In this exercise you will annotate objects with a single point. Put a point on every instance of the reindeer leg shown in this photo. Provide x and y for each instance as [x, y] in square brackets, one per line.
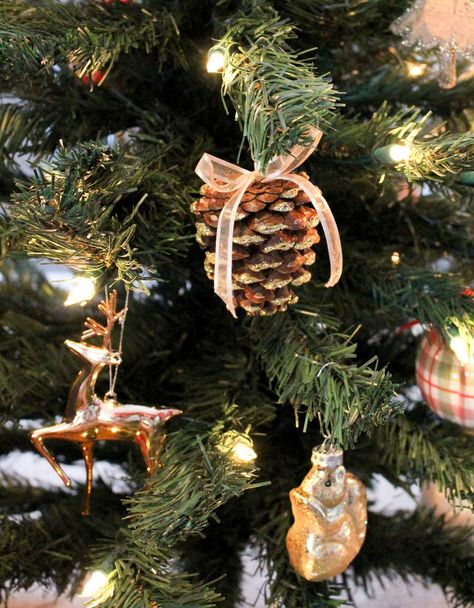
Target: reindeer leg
[142, 439]
[154, 445]
[89, 462]
[159, 439]
[37, 438]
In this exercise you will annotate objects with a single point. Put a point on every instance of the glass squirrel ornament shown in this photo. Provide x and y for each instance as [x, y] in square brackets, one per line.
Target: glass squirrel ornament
[330, 511]
[447, 25]
[89, 418]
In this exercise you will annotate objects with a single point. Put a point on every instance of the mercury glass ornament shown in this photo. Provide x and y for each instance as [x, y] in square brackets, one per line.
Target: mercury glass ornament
[330, 511]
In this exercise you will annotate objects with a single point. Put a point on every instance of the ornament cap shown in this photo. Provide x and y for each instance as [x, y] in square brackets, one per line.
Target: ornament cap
[326, 457]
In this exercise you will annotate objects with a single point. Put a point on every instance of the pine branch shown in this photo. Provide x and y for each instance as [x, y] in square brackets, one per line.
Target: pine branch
[333, 21]
[436, 154]
[422, 450]
[431, 297]
[51, 549]
[72, 212]
[312, 367]
[89, 36]
[418, 545]
[195, 479]
[185, 492]
[391, 83]
[33, 328]
[273, 89]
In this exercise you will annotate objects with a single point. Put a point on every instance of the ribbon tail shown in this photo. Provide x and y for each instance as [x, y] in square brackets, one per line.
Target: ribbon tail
[328, 224]
[224, 239]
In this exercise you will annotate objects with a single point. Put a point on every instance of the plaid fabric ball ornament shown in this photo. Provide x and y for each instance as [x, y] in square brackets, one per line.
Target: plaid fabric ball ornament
[446, 383]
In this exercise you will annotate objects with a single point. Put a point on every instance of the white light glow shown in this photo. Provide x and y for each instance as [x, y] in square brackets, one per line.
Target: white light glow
[94, 584]
[416, 69]
[82, 289]
[216, 61]
[399, 152]
[243, 451]
[395, 257]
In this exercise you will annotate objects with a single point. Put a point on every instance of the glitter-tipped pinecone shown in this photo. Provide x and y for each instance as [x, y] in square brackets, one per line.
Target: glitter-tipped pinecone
[274, 231]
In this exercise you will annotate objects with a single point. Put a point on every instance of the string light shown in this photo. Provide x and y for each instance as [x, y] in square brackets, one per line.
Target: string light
[238, 447]
[395, 257]
[399, 152]
[394, 153]
[215, 60]
[95, 587]
[243, 451]
[82, 289]
[416, 69]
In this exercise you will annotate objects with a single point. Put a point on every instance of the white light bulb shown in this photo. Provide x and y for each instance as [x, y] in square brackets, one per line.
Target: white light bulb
[399, 152]
[243, 451]
[94, 584]
[216, 60]
[395, 257]
[416, 69]
[82, 289]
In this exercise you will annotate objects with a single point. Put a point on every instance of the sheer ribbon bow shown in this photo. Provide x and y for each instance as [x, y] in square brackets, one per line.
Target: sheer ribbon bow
[227, 177]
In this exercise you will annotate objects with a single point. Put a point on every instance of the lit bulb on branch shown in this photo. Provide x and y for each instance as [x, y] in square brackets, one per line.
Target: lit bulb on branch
[238, 447]
[393, 154]
[81, 290]
[395, 257]
[215, 60]
[243, 451]
[416, 69]
[96, 588]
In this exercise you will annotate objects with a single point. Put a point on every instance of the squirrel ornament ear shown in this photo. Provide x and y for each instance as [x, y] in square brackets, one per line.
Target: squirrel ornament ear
[330, 511]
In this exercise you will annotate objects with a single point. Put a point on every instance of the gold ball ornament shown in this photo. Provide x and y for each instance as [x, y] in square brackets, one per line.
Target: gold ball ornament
[330, 511]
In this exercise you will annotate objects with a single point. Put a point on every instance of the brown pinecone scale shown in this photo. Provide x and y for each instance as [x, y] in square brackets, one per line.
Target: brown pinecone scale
[274, 232]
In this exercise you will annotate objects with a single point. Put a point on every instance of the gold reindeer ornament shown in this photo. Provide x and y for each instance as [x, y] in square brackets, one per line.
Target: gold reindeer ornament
[89, 418]
[330, 511]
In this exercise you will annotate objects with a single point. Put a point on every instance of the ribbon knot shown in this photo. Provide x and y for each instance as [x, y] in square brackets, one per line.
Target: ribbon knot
[227, 177]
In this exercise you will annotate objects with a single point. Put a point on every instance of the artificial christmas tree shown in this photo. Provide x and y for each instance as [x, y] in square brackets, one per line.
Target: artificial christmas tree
[100, 179]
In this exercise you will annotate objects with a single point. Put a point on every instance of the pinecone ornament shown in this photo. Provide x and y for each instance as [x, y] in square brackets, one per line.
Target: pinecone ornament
[274, 232]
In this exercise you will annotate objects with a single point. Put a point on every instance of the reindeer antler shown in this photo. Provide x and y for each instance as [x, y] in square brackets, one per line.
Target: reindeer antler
[93, 328]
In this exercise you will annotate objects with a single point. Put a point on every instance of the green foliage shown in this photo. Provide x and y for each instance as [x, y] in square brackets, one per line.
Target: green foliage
[273, 89]
[435, 152]
[430, 297]
[37, 36]
[424, 450]
[72, 210]
[34, 373]
[54, 547]
[312, 366]
[196, 478]
[421, 546]
[113, 155]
